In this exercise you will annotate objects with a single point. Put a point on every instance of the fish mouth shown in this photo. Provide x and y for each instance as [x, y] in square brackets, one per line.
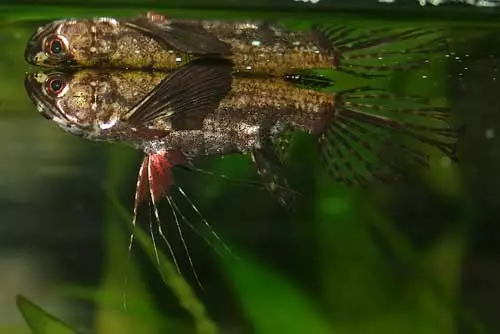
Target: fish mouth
[37, 57]
[33, 84]
[34, 55]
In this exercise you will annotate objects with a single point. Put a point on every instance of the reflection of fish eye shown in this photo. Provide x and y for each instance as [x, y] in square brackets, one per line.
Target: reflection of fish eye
[55, 46]
[55, 86]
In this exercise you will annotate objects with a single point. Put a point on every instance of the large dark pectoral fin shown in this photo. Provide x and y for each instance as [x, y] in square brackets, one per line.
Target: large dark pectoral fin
[376, 136]
[186, 96]
[182, 36]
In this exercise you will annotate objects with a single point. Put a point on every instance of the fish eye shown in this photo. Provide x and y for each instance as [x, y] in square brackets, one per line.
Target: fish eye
[55, 86]
[55, 46]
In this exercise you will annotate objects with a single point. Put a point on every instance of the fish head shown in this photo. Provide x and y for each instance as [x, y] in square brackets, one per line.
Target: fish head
[89, 102]
[72, 43]
[61, 99]
[48, 46]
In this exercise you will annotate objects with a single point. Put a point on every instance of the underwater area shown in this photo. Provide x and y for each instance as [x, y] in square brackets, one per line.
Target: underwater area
[419, 254]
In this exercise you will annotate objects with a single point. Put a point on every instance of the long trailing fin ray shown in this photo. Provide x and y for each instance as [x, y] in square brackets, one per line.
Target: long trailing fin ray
[152, 235]
[205, 222]
[193, 90]
[184, 245]
[377, 140]
[185, 37]
[194, 229]
[156, 182]
[140, 192]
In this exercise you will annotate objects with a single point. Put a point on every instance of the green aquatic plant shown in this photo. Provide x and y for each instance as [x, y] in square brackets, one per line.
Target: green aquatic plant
[40, 321]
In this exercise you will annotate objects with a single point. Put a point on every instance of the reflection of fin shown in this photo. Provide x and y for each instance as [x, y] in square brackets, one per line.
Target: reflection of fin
[269, 167]
[310, 80]
[375, 136]
[192, 91]
[183, 36]
[376, 52]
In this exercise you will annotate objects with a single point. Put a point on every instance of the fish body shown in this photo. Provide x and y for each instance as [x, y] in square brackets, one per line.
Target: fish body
[154, 41]
[96, 104]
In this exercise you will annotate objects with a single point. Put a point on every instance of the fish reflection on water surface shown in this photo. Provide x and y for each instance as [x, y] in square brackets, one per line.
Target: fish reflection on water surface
[203, 109]
[155, 41]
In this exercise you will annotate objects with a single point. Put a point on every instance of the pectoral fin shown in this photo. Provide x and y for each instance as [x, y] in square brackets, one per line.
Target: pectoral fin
[186, 96]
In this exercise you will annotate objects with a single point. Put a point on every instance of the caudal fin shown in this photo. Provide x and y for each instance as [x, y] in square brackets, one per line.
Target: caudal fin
[374, 135]
[378, 52]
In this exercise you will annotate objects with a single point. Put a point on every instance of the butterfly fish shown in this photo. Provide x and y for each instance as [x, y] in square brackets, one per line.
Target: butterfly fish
[154, 41]
[204, 109]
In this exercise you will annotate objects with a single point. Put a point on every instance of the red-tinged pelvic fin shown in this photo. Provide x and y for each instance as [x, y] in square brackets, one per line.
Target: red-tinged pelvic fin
[155, 175]
[155, 183]
[187, 37]
[376, 52]
[374, 135]
[186, 96]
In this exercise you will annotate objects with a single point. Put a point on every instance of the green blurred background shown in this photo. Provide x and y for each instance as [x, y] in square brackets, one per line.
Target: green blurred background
[421, 256]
